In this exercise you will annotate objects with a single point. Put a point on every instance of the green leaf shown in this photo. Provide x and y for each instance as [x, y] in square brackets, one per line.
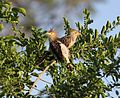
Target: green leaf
[90, 21]
[79, 25]
[85, 11]
[1, 27]
[118, 18]
[34, 74]
[20, 74]
[66, 26]
[116, 36]
[90, 38]
[15, 9]
[108, 25]
[103, 30]
[110, 39]
[9, 3]
[88, 15]
[22, 10]
[96, 34]
[117, 93]
[6, 5]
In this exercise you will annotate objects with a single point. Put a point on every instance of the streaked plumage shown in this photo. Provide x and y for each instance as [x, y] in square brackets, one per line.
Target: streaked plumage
[59, 50]
[69, 40]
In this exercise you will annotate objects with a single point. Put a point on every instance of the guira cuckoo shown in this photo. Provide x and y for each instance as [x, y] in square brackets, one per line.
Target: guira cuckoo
[59, 50]
[69, 40]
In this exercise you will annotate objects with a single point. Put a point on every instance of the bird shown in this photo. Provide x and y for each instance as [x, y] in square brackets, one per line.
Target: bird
[59, 50]
[69, 40]
[57, 47]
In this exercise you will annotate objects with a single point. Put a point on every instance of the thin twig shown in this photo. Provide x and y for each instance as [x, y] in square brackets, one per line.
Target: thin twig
[45, 81]
[40, 76]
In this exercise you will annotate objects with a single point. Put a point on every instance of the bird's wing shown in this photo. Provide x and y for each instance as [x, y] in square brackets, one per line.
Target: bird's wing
[56, 49]
[65, 51]
[66, 40]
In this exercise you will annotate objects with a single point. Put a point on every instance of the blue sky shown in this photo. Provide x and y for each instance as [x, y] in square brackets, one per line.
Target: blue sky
[107, 10]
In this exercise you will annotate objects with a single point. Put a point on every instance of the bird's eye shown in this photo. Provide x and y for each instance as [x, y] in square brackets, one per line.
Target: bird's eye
[75, 32]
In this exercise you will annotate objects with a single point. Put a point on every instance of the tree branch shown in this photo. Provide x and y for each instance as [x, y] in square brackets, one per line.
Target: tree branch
[40, 76]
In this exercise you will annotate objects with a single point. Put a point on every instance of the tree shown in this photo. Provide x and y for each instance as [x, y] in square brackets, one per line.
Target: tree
[95, 54]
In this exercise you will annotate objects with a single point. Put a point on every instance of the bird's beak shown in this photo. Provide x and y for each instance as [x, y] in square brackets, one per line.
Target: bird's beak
[48, 33]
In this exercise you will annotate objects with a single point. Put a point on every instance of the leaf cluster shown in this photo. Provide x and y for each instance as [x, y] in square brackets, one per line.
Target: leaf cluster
[10, 14]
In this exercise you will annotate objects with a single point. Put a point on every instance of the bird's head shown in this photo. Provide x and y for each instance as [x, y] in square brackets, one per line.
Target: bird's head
[52, 34]
[74, 32]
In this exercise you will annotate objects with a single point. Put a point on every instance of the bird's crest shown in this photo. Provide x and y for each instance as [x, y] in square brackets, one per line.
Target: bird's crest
[51, 30]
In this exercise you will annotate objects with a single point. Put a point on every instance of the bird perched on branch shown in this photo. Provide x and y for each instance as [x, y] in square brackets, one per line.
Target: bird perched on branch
[60, 51]
[69, 40]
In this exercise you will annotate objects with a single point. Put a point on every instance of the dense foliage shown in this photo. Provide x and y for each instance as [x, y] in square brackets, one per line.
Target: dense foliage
[94, 57]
